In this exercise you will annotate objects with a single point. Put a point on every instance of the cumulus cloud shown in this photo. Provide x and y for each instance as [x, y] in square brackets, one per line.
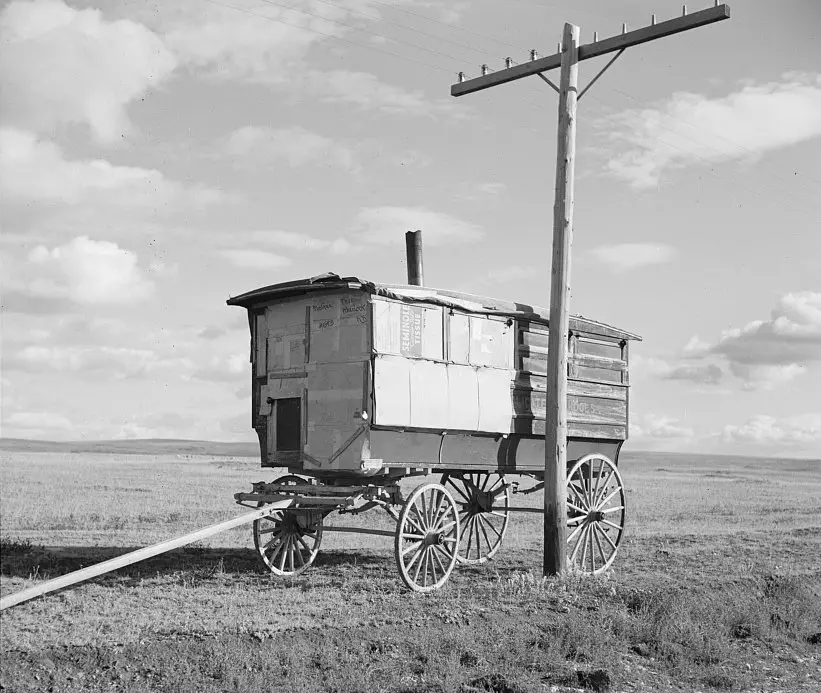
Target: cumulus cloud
[368, 92]
[60, 65]
[224, 369]
[767, 353]
[256, 146]
[35, 170]
[82, 271]
[802, 430]
[36, 424]
[624, 257]
[297, 241]
[660, 428]
[387, 225]
[96, 361]
[693, 129]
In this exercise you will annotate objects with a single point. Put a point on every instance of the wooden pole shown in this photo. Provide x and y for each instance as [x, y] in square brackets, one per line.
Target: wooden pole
[555, 451]
[136, 556]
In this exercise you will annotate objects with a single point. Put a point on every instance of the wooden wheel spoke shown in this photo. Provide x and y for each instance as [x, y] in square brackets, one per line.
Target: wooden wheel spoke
[612, 510]
[432, 564]
[585, 537]
[415, 525]
[435, 554]
[422, 554]
[578, 529]
[445, 528]
[606, 536]
[596, 531]
[609, 496]
[579, 542]
[575, 507]
[493, 527]
[484, 532]
[458, 490]
[611, 524]
[302, 541]
[298, 552]
[469, 530]
[414, 545]
[415, 537]
[610, 473]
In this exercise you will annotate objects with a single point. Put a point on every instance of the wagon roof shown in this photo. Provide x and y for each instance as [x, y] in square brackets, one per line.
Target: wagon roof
[422, 294]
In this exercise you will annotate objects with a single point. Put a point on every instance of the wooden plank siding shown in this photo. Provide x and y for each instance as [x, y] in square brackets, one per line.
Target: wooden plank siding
[597, 404]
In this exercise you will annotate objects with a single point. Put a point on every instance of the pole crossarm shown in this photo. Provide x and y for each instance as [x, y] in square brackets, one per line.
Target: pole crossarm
[594, 50]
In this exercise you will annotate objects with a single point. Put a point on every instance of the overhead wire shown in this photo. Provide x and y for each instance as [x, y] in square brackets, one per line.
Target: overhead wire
[279, 20]
[429, 65]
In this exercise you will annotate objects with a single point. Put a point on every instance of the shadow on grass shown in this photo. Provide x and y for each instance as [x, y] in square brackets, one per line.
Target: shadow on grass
[43, 562]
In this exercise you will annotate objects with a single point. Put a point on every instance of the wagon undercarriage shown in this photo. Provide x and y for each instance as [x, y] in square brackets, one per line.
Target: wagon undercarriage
[461, 519]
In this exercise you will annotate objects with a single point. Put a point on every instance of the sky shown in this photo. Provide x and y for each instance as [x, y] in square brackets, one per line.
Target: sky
[159, 156]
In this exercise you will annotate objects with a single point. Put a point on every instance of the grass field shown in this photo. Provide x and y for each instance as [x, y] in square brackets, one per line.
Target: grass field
[716, 587]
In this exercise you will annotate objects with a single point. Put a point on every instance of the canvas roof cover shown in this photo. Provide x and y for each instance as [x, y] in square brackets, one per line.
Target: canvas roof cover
[420, 294]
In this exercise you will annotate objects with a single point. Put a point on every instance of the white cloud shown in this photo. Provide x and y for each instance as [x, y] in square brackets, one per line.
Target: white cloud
[297, 241]
[802, 430]
[61, 65]
[658, 427]
[624, 257]
[82, 271]
[255, 259]
[260, 146]
[231, 369]
[387, 225]
[35, 424]
[96, 361]
[693, 129]
[367, 91]
[34, 170]
[767, 353]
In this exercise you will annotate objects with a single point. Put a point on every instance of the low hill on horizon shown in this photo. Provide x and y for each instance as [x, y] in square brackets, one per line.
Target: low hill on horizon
[145, 446]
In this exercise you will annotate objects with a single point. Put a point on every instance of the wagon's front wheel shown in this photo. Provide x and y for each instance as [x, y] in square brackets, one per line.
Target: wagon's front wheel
[427, 538]
[287, 541]
[483, 501]
[595, 513]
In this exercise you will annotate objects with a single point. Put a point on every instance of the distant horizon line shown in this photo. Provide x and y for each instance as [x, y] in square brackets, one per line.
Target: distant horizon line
[251, 448]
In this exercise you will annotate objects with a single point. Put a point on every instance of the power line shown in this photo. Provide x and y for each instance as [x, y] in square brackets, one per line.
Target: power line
[363, 30]
[332, 36]
[445, 24]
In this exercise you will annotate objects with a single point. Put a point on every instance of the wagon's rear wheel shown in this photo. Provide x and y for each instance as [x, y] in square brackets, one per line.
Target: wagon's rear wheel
[595, 513]
[427, 538]
[287, 541]
[482, 526]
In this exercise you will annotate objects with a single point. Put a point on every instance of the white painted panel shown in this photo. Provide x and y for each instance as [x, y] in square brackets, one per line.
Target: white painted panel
[463, 398]
[459, 338]
[491, 342]
[429, 394]
[408, 330]
[495, 401]
[391, 383]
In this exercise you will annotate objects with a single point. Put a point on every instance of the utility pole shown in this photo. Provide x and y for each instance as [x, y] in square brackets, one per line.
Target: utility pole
[567, 58]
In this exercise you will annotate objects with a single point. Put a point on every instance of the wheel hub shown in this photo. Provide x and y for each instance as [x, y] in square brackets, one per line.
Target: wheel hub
[595, 516]
[433, 539]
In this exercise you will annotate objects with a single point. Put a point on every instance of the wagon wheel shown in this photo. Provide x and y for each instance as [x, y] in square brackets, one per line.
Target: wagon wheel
[427, 538]
[482, 527]
[288, 540]
[595, 513]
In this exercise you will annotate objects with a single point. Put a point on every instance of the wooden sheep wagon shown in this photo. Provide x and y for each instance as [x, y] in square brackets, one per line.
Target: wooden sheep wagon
[357, 384]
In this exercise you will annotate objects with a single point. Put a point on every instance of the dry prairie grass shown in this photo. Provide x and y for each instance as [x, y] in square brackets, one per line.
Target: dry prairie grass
[716, 587]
